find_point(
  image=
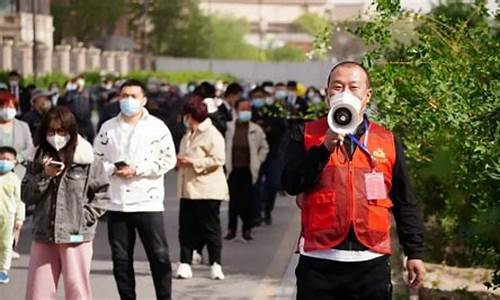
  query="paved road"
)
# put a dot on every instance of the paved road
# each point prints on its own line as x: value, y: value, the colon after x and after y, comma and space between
x: 261, y: 269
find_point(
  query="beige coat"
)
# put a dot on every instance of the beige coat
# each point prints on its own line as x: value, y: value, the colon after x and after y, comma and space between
x: 258, y: 148
x: 205, y: 179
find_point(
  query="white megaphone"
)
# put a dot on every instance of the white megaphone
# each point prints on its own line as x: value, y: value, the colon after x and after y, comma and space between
x: 345, y: 113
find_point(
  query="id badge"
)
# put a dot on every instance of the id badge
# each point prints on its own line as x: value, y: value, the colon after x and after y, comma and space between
x: 375, y: 186
x: 76, y: 238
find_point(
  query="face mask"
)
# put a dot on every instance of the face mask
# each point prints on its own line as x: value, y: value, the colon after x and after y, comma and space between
x: 80, y: 82
x: 6, y: 165
x: 7, y: 114
x: 58, y: 141
x: 186, y: 123
x: 245, y: 116
x: 154, y: 88
x: 281, y: 95
x: 310, y: 94
x: 45, y: 107
x: 345, y: 97
x: 71, y: 87
x: 316, y: 99
x: 165, y: 88
x: 13, y: 83
x: 269, y: 89
x: 130, y: 106
x: 258, y: 103
x: 270, y: 100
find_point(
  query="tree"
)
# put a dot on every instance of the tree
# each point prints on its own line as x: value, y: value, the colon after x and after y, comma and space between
x: 179, y: 28
x: 311, y: 23
x: 228, y: 38
x: 285, y: 53
x: 441, y: 94
x: 85, y: 20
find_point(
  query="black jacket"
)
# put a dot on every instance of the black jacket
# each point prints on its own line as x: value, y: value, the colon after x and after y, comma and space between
x: 303, y: 169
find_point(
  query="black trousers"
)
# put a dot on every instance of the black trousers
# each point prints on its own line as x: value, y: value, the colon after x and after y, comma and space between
x: 269, y: 184
x: 122, y: 228
x: 240, y: 194
x: 320, y: 279
x: 199, y: 224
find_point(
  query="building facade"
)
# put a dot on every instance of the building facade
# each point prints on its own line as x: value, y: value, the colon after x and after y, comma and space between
x: 16, y: 22
x: 272, y: 21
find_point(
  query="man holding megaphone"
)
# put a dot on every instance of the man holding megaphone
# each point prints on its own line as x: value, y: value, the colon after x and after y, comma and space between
x: 351, y: 176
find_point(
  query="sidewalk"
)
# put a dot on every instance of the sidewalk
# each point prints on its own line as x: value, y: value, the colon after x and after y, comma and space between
x: 261, y: 269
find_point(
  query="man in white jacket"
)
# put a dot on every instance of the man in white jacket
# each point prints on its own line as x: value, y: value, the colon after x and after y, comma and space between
x: 137, y: 150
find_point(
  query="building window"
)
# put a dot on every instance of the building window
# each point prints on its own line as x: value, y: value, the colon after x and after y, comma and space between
x: 8, y: 5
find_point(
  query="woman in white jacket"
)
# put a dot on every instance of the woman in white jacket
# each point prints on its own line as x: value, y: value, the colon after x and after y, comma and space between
x: 201, y: 188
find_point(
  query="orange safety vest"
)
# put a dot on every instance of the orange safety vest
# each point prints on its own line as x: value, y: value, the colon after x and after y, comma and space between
x: 339, y: 198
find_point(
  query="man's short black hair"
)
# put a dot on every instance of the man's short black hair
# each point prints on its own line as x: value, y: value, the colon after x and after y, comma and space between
x: 133, y: 82
x: 241, y: 100
x: 14, y: 73
x: 205, y: 90
x: 7, y: 149
x: 258, y: 89
x: 292, y: 84
x: 267, y: 83
x: 233, y: 88
x: 351, y: 64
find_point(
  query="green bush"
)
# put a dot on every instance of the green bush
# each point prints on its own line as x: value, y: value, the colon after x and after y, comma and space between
x: 92, y: 78
x: 44, y: 81
x: 441, y: 94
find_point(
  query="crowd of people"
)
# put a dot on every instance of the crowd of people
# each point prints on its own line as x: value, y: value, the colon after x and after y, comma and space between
x: 242, y: 144
x: 71, y: 154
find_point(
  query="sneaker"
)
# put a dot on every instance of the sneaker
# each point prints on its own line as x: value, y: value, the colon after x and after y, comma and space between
x: 15, y: 255
x: 231, y: 234
x: 4, y: 277
x: 247, y: 235
x: 184, y: 271
x: 216, y: 272
x: 197, y: 258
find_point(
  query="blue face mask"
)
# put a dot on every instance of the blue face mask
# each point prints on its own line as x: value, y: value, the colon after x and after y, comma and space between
x: 316, y: 99
x: 281, y: 94
x: 186, y: 122
x: 6, y: 166
x: 258, y: 102
x: 130, y: 106
x: 245, y: 116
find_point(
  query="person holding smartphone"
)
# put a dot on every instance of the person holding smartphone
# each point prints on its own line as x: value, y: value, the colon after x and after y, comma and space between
x: 137, y: 151
x: 69, y: 190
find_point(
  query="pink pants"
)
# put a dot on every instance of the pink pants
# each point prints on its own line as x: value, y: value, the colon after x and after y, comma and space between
x: 48, y: 260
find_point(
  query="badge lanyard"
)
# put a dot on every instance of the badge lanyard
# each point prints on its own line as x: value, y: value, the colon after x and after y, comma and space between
x: 364, y: 146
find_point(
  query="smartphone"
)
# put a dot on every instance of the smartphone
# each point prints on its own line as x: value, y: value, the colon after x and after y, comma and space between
x: 120, y: 164
x: 56, y: 164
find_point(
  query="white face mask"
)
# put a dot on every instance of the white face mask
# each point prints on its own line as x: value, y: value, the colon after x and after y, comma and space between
x: 58, y: 141
x: 80, y: 82
x: 346, y: 97
x: 269, y: 100
x: 7, y: 113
